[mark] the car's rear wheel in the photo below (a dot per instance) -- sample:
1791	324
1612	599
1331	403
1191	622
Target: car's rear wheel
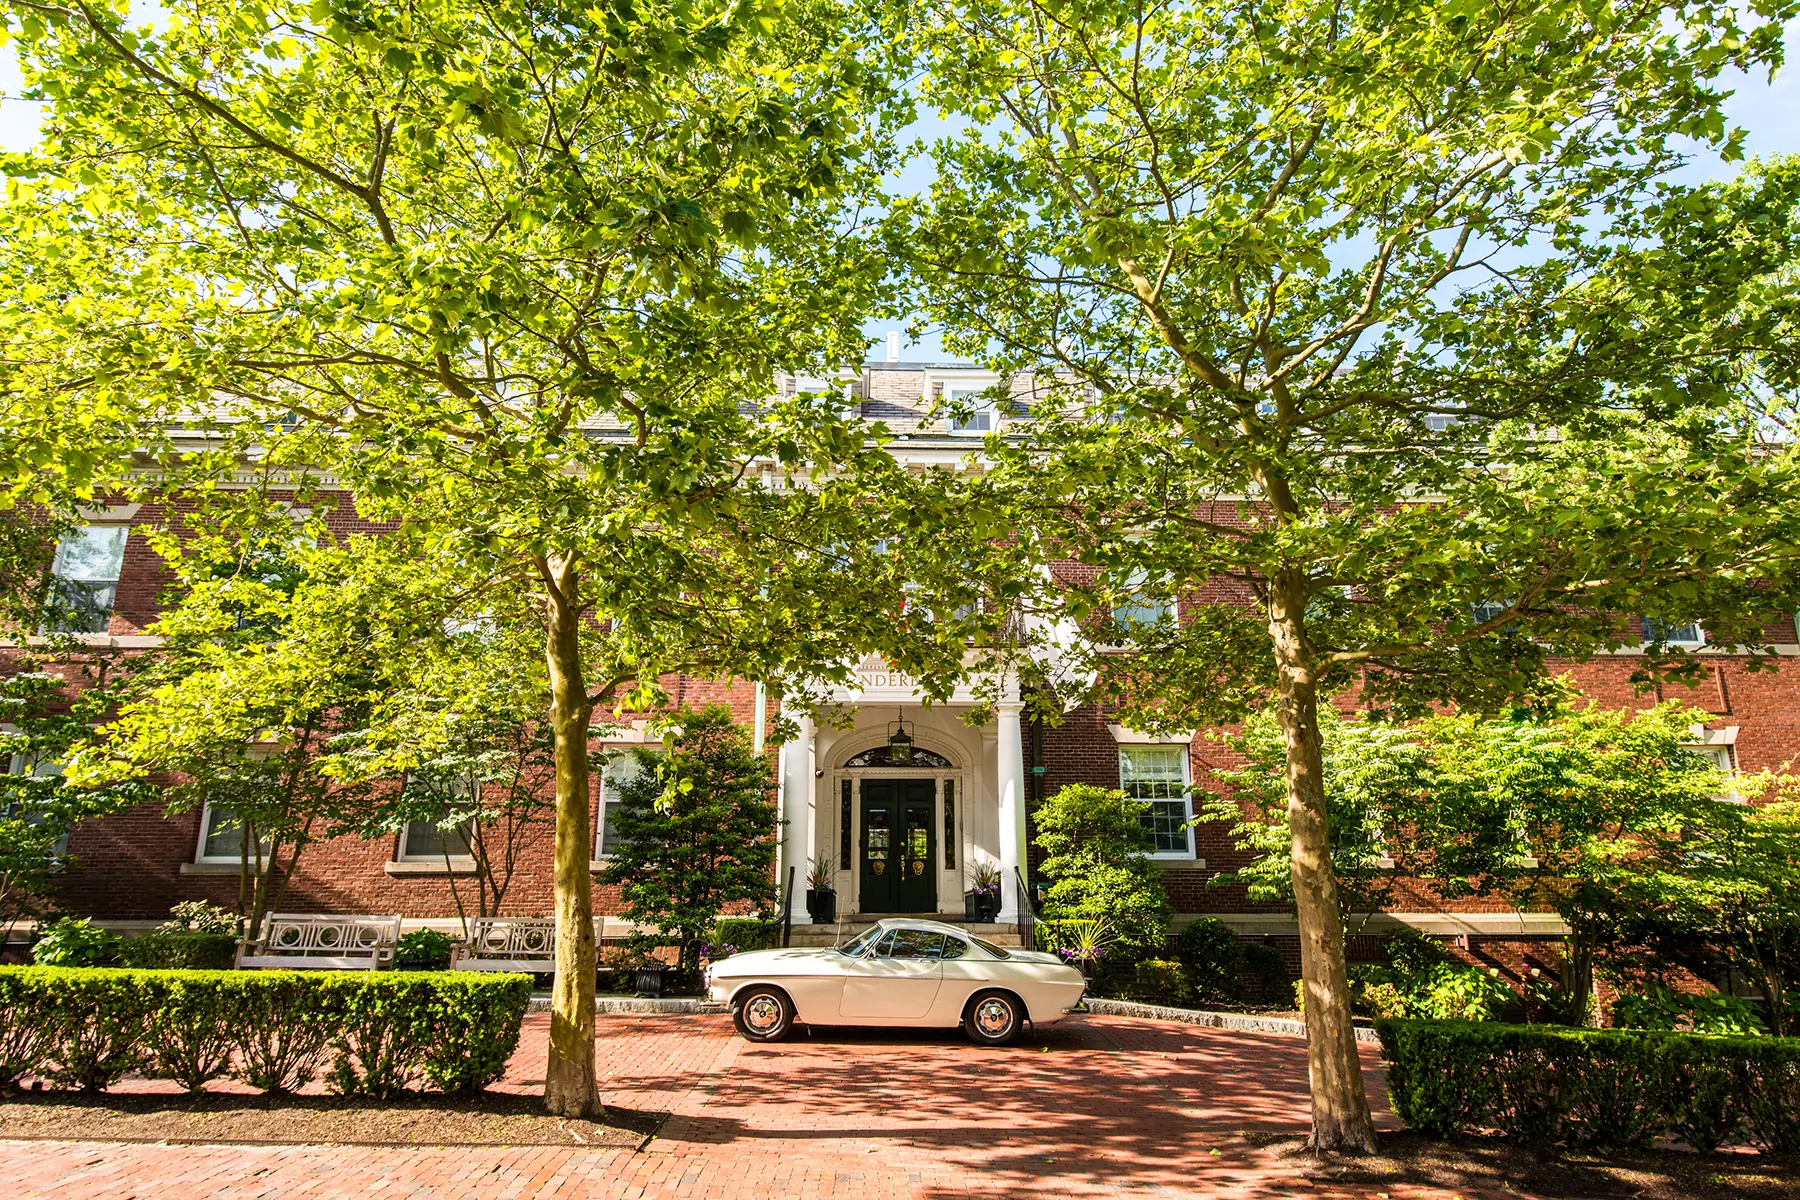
993	1018
763	1014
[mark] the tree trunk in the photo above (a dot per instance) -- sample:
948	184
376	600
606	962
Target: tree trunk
570	1088
1340	1104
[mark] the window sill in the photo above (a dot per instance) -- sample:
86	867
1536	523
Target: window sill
1178	861
417	867
215	868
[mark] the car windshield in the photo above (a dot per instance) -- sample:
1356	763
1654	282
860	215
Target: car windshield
856	945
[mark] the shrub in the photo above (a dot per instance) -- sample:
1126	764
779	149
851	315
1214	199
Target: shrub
1096	858
423	950
746	933
1266	972
99	1024
452	1030
193	1030
286	1021
197	916
76	942
1161	981
180	952
1447	992
1661	1007
1213	956
1536	1084
24	1036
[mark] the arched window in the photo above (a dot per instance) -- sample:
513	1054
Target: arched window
878	756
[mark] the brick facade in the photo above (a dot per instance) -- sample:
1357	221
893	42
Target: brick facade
130	867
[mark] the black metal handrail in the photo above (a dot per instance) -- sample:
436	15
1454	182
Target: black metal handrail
1027	914
787	911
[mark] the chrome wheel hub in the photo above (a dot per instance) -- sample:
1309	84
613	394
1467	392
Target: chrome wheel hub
762	1013
993	1016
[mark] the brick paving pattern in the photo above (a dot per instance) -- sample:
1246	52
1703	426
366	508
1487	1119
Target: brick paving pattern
1097	1107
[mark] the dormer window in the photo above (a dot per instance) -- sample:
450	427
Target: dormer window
969	412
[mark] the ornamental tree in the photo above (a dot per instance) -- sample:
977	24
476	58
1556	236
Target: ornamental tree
1374	335
1096	846
696	833
520	275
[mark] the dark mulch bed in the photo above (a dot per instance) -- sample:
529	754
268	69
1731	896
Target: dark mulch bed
492	1118
1483	1164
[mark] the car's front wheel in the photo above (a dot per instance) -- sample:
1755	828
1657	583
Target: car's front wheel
993	1018
763	1014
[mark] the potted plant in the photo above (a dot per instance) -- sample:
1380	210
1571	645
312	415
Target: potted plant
1079	941
821	891
649	977
981	903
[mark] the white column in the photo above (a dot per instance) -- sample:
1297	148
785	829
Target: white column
798	789
1010	752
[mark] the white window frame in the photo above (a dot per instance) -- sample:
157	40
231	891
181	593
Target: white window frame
1135	580
17	766
945	386
608	775
253	751
986	411
1181	750
57	569
200	854
1697	641
403	854
1719	746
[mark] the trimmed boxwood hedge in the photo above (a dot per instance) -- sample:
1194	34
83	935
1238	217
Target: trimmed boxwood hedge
1622	1087
276	1030
183	951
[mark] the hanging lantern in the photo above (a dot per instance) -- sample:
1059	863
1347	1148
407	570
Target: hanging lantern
900	745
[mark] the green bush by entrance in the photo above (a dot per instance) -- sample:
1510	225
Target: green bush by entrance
746	933
374	1034
1538	1084
180	951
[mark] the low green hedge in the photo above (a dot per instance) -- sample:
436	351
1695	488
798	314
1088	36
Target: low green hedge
87	1027
1537	1084
180	952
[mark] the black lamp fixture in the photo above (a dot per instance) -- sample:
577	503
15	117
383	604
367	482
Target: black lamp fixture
900	742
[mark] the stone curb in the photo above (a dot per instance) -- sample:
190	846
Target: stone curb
636	1004
1215	1020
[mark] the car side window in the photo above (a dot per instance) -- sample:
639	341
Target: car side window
954	947
885	946
914	943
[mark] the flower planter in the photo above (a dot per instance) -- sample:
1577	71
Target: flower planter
982	908
649	979
821	906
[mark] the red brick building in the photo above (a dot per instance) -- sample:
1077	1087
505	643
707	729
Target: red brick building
902	836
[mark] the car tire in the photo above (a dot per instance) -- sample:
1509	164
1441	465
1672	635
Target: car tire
993	1018
763	1014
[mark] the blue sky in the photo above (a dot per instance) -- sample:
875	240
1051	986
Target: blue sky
1768	110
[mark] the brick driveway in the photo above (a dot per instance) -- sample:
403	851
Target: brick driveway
1100	1106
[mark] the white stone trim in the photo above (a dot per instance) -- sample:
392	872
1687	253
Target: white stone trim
1126	736
1442	924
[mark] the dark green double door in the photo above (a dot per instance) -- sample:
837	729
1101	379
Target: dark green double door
899	846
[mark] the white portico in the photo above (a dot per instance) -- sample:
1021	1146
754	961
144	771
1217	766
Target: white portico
905	834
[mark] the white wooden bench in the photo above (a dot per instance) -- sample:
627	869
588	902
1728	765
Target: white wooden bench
322	941
508	944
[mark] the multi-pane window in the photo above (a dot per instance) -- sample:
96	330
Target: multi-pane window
1656	630
619	772
36	768
1137	604
1158	774
1487	610
427	840
222	836
84	578
981	415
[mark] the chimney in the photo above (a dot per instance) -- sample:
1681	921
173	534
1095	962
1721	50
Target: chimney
893	345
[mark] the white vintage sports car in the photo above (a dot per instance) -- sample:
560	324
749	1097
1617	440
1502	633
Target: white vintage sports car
899	973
